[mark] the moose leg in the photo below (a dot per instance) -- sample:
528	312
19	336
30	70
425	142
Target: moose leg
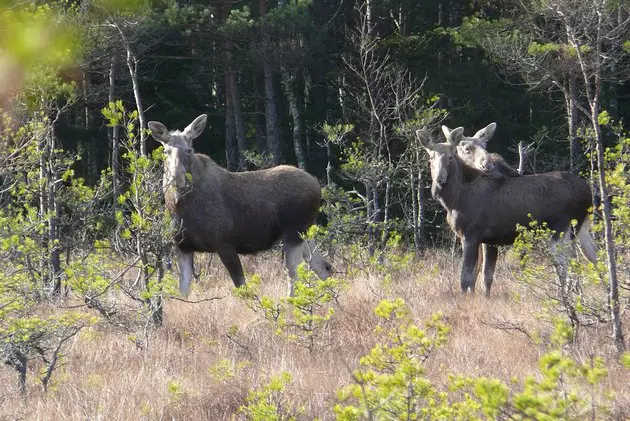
490	254
230	260
185	263
469	274
293	257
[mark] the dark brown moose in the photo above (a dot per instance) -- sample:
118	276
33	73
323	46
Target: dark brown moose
486	210
235	213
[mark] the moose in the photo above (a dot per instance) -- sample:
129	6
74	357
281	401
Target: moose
484	210
472	150
234	213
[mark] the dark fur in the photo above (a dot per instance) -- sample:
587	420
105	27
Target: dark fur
248	211
235	213
485	210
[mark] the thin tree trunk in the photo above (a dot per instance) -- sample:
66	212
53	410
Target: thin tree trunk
289	84
521	158
572	122
231	148
132	65
329	168
54	257
271	115
593	85
239	124
271	112
44	178
611	262
414	209
157	308
114	134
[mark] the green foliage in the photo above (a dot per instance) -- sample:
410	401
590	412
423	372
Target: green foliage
550	270
617	160
145	228
176	390
301	317
565	389
270	402
390	381
36	35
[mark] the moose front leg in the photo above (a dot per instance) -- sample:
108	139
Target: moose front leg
185	261
231	261
469	264
490	254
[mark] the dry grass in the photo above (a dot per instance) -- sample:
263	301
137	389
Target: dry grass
198	367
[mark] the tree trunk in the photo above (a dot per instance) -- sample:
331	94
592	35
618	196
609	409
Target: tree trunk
290	91
54	257
271	115
239	124
114	135
271	112
521	158
231	147
572	122
132	65
611	262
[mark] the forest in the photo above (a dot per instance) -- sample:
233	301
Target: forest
92	324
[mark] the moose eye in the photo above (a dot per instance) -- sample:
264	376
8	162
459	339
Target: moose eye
189	151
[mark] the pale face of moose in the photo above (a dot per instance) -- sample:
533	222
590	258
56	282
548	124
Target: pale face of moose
472	150
441	156
178	154
475	156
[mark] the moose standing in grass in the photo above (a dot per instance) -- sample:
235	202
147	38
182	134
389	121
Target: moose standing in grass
484	210
235	213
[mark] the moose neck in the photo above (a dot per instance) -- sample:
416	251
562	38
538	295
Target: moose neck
178	191
448	194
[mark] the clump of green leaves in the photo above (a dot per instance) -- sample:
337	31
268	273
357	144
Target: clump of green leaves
564	389
144	226
301	317
270	402
551	271
390	382
35	181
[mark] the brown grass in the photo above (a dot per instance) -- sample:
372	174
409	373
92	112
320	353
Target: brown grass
105	376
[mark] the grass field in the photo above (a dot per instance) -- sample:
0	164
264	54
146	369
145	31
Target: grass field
208	356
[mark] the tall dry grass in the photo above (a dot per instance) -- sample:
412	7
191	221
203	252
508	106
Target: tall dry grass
206	358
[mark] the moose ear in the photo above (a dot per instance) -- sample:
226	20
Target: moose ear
455	136
484	135
446	131
426	140
195	128
159	132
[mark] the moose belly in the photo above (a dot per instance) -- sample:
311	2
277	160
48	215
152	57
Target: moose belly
246	240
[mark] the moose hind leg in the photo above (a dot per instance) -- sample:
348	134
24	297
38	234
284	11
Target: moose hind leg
185	264
469	265
232	263
490	254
